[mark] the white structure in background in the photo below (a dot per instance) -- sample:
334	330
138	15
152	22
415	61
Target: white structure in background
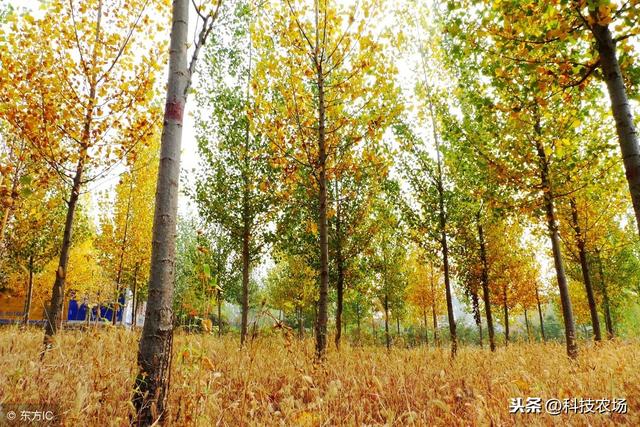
128	310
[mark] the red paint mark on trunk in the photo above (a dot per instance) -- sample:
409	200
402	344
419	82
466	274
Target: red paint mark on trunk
174	110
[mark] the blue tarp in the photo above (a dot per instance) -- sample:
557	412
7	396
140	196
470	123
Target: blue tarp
76	312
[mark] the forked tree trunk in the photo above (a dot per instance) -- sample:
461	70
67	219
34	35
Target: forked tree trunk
54	314
552	225
155	349
586	276
627	133
485	285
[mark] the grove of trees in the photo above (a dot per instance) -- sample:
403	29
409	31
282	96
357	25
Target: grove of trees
386	173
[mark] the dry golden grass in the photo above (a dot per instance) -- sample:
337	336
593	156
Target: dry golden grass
89	376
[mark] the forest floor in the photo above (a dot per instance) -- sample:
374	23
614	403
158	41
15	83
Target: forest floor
88	376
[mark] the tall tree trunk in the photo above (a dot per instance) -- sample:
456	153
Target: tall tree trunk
321	323
398	324
586	276
475	302
443	239
300	323
426	328
219	302
506	315
544	338
245	270
607	312
27	302
123	248
156	343
340	267
485	284
358	322
134	303
246	210
605	299
552	225
54	313
526	322
627	133
435	325
4	222
386	322
373	325
7	212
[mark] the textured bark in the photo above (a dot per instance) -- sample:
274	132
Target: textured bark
27	302
155	349
443	240
565	299
475	302
627	133
586	276
321	322
544	338
526	322
486	298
